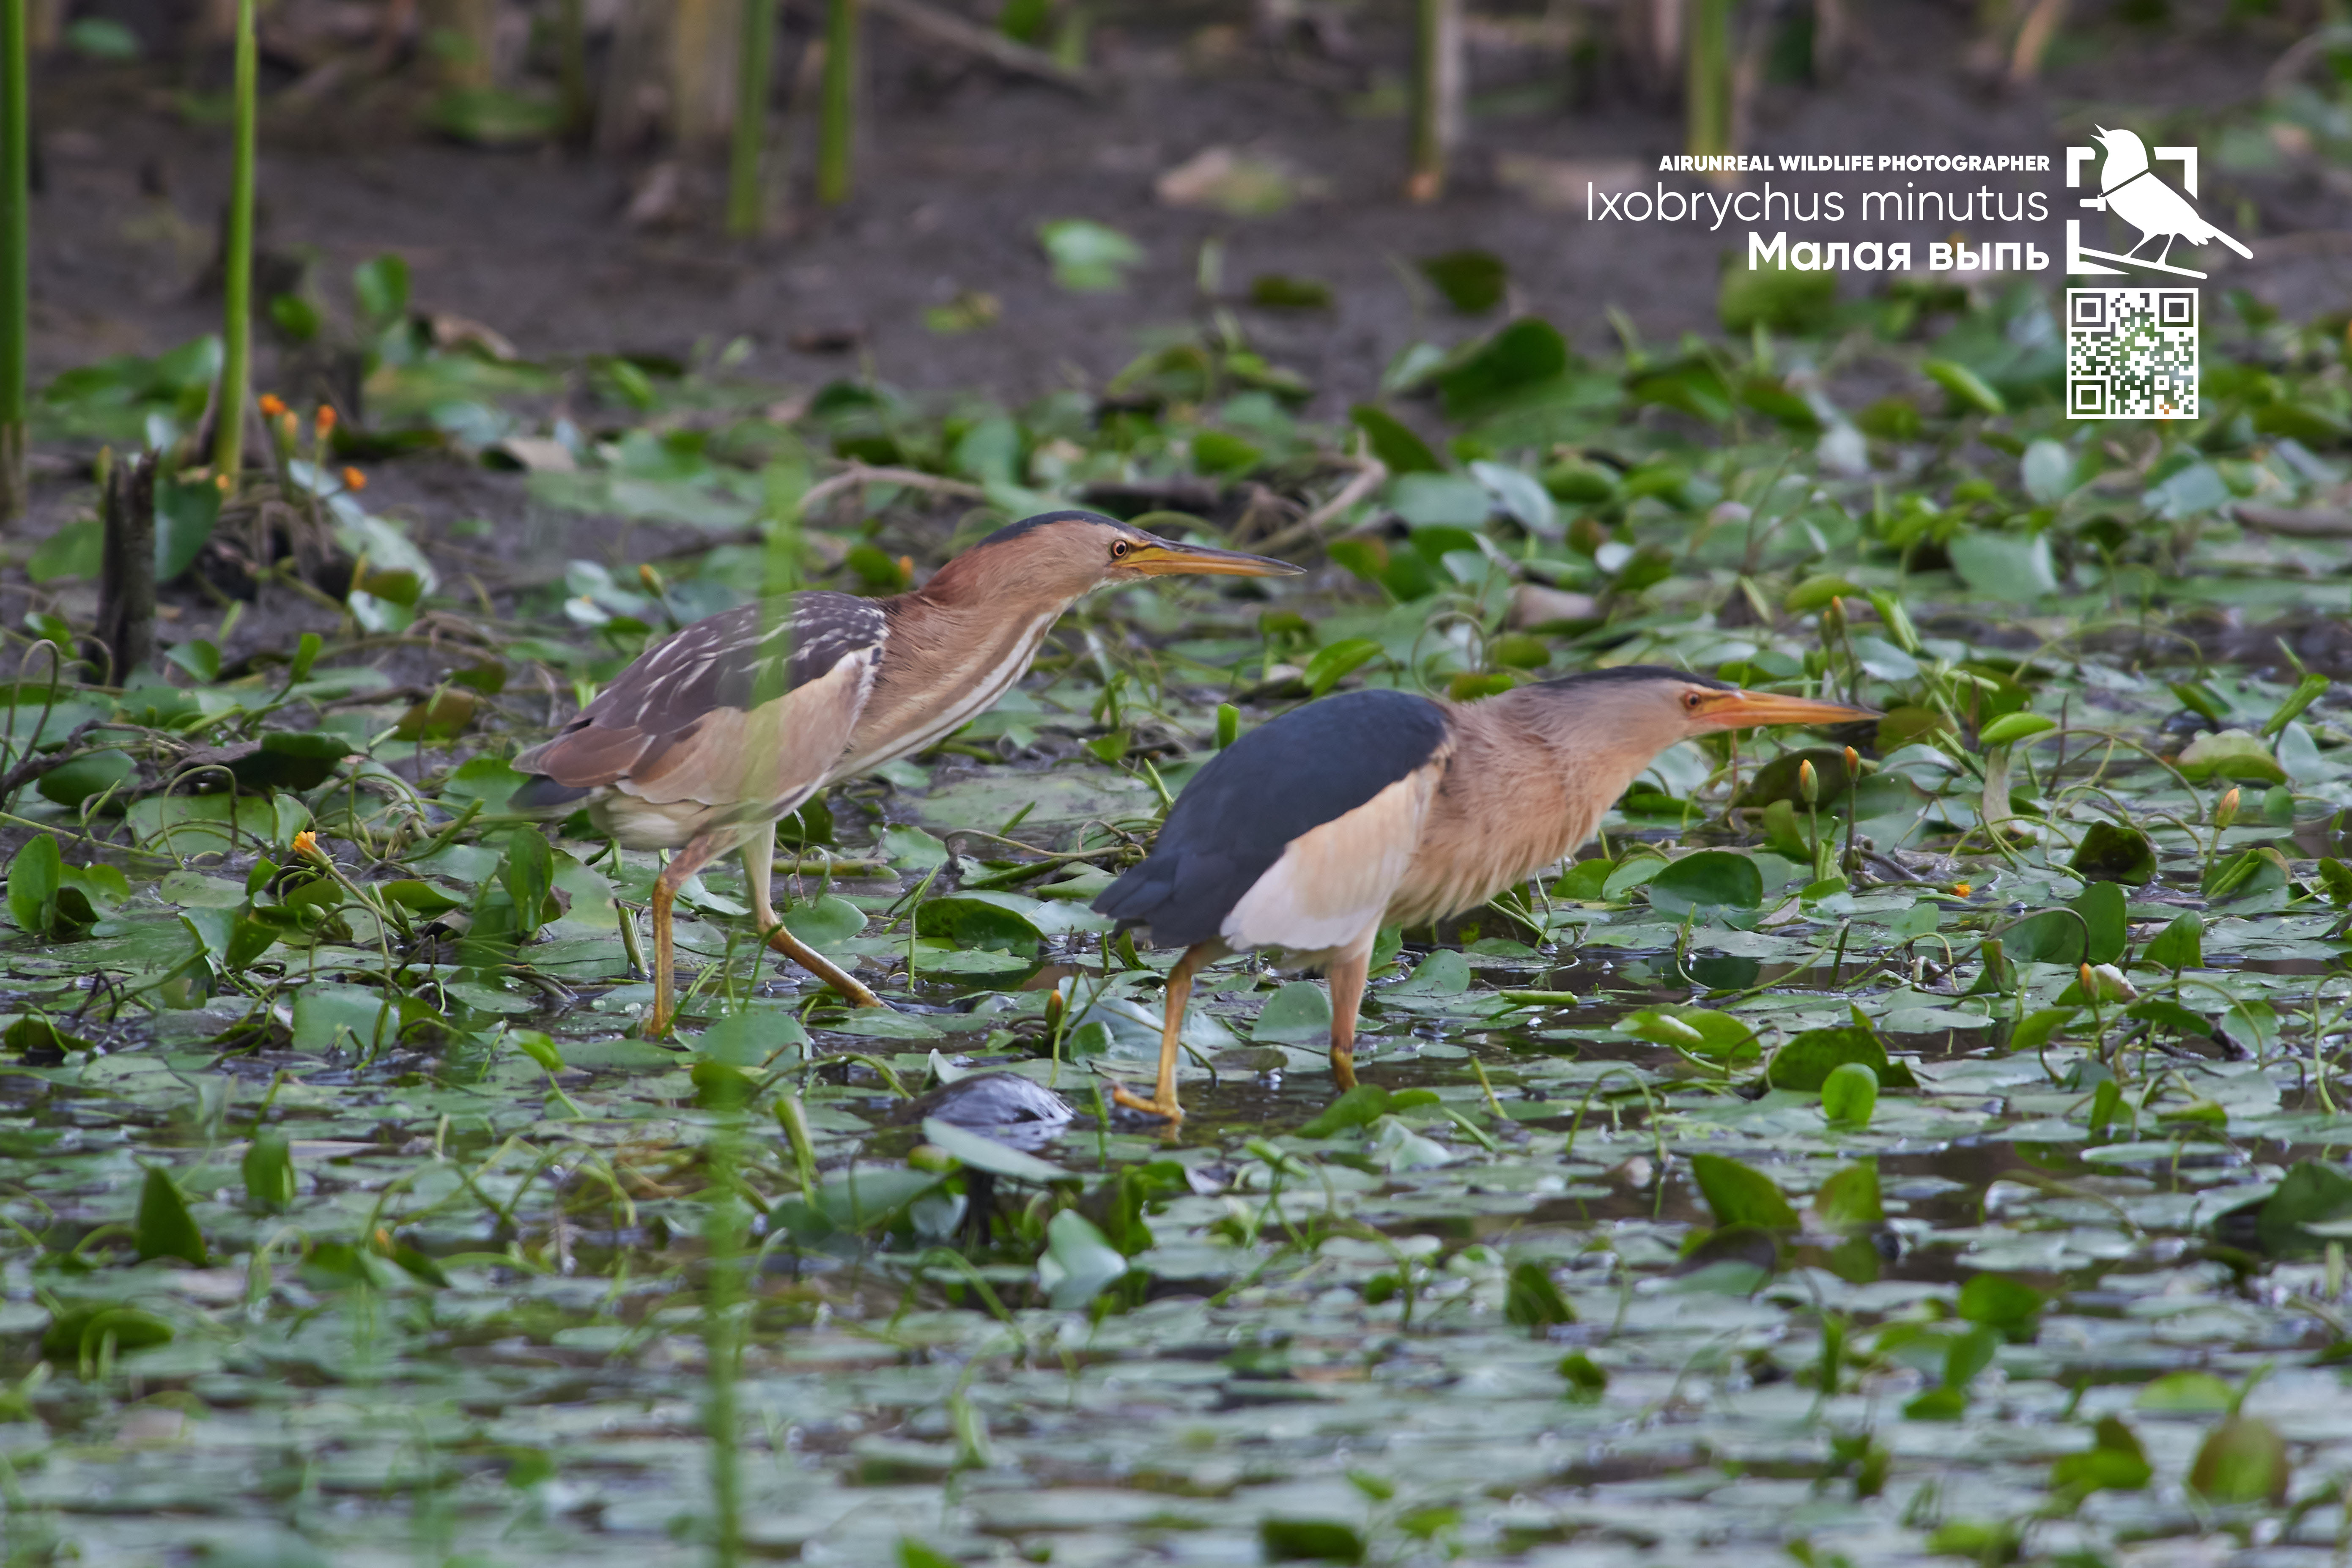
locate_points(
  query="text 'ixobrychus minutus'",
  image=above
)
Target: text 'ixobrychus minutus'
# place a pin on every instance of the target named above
(711, 738)
(1383, 809)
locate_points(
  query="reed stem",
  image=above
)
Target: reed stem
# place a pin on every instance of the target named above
(1436, 96)
(1707, 109)
(15, 240)
(572, 67)
(236, 278)
(722, 1345)
(837, 104)
(746, 209)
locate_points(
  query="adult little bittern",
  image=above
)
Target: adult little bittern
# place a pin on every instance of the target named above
(711, 738)
(1383, 809)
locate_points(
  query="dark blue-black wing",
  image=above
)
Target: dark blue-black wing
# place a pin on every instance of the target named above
(1232, 822)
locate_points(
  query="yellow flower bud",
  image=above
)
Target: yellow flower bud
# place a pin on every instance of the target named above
(2226, 811)
(1809, 783)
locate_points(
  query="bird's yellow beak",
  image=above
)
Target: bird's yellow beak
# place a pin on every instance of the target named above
(1167, 558)
(1745, 709)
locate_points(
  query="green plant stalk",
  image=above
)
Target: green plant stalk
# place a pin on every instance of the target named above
(836, 101)
(1707, 110)
(1436, 95)
(236, 280)
(16, 239)
(745, 212)
(572, 67)
(722, 1235)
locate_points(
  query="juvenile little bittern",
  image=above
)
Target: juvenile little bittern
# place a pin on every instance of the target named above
(1383, 809)
(711, 738)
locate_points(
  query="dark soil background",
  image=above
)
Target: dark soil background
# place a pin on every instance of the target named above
(961, 163)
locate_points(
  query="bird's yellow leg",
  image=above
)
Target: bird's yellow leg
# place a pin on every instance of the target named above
(693, 858)
(1171, 1028)
(665, 959)
(758, 874)
(1347, 973)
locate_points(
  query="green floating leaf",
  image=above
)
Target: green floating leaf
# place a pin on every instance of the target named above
(1805, 1063)
(2112, 852)
(1393, 442)
(2010, 1306)
(1299, 1014)
(1280, 292)
(1850, 1094)
(33, 878)
(1525, 354)
(91, 774)
(1707, 882)
(1702, 1031)
(1850, 1199)
(1310, 1541)
(1740, 1194)
(2187, 1391)
(2306, 691)
(163, 1227)
(1078, 1264)
(1333, 663)
(823, 921)
(2106, 927)
(2230, 755)
(1472, 281)
(1586, 1379)
(269, 1171)
(1087, 256)
(2243, 1460)
(1778, 298)
(2311, 1192)
(1532, 1301)
(2180, 946)
(2011, 728)
(82, 1332)
(2261, 869)
(1778, 781)
(1968, 390)
(1364, 1105)
(977, 923)
(2013, 567)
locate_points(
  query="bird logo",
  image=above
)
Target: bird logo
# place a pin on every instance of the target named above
(2130, 188)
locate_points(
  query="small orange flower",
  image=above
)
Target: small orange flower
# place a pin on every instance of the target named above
(288, 427)
(353, 480)
(325, 420)
(272, 406)
(1961, 890)
(222, 483)
(306, 843)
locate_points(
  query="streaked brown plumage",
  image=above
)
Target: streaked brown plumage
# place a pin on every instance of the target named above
(1383, 809)
(711, 738)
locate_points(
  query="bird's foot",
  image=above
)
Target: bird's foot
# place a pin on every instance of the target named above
(1169, 1111)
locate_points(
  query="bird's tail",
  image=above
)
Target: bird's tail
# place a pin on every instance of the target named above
(2232, 244)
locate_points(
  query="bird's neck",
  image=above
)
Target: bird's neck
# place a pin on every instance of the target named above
(1530, 779)
(948, 657)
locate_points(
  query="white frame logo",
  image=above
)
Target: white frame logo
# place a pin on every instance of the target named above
(2130, 187)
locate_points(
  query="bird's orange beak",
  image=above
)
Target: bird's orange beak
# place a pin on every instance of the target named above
(1745, 709)
(1167, 558)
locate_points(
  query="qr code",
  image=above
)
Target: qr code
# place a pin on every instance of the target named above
(2131, 354)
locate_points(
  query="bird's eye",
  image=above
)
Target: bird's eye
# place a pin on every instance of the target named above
(1691, 699)
(1119, 547)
